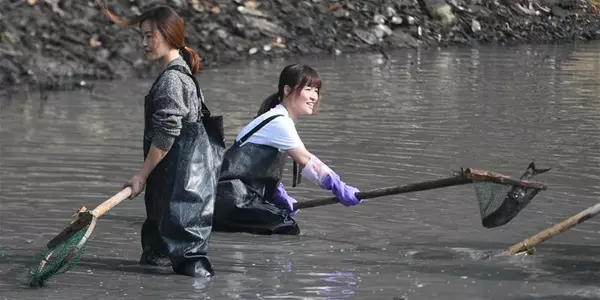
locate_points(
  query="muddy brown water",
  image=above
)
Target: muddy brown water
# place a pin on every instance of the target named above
(418, 117)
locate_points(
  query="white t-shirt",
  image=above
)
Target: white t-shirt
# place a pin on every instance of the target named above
(279, 133)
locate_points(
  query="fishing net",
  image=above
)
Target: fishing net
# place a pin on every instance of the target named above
(64, 251)
(499, 203)
(502, 198)
(57, 260)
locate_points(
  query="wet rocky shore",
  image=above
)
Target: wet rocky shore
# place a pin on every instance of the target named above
(65, 44)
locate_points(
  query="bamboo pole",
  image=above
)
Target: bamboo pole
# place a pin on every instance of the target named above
(553, 231)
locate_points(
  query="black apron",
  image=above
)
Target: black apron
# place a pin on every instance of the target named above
(249, 176)
(180, 193)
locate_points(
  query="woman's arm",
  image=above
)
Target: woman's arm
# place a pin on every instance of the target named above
(170, 108)
(320, 174)
(155, 155)
(300, 155)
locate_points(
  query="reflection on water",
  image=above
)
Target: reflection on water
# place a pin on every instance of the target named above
(415, 118)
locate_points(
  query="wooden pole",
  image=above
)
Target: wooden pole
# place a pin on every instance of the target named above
(553, 231)
(84, 217)
(463, 177)
(413, 187)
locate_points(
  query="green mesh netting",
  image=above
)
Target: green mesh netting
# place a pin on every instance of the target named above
(500, 203)
(57, 260)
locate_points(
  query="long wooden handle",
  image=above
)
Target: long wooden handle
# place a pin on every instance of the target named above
(112, 202)
(85, 217)
(414, 187)
(555, 230)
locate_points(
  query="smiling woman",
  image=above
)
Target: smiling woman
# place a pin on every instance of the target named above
(250, 196)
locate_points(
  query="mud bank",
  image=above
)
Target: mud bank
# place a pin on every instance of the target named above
(62, 44)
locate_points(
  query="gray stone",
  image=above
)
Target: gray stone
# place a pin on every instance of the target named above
(266, 27)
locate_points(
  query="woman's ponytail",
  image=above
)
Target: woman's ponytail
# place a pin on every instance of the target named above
(192, 58)
(269, 103)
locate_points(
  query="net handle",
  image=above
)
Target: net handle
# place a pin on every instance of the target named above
(487, 176)
(420, 186)
(85, 217)
(112, 202)
(464, 176)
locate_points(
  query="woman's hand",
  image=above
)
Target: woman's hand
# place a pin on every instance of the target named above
(137, 184)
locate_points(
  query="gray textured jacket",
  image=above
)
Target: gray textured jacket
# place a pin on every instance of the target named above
(174, 98)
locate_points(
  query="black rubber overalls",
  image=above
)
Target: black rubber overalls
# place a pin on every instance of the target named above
(249, 176)
(180, 194)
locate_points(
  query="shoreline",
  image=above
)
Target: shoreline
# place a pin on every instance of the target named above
(57, 48)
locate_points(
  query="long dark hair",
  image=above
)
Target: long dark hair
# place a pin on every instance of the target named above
(170, 25)
(297, 76)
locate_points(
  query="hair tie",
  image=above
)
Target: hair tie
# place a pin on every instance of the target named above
(182, 48)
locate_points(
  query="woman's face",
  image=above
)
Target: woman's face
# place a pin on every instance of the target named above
(153, 41)
(304, 102)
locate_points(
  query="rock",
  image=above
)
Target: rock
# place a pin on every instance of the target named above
(475, 26)
(197, 5)
(287, 8)
(341, 13)
(567, 4)
(379, 19)
(305, 24)
(251, 12)
(390, 12)
(559, 12)
(402, 39)
(382, 31)
(250, 4)
(178, 3)
(266, 27)
(366, 36)
(396, 20)
(429, 6)
(103, 54)
(444, 14)
(221, 33)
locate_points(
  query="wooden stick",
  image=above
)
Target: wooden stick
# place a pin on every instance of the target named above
(463, 176)
(481, 175)
(85, 217)
(112, 202)
(553, 231)
(420, 186)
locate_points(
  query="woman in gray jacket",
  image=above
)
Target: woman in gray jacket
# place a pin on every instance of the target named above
(180, 168)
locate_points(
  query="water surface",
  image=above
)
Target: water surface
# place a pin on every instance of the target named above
(417, 117)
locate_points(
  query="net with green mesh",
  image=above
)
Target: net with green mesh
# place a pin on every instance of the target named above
(57, 260)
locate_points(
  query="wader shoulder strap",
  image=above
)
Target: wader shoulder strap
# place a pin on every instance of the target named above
(296, 174)
(204, 110)
(256, 128)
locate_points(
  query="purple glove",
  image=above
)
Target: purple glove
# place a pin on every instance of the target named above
(280, 196)
(345, 193)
